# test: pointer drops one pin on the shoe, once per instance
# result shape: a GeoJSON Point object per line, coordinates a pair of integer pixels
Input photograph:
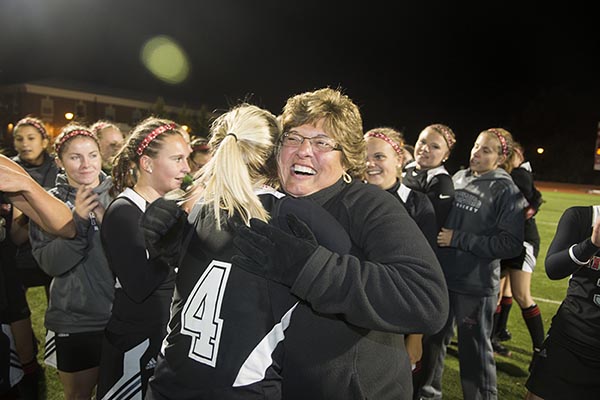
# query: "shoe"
{"type": "Point", "coordinates": [500, 349]}
{"type": "Point", "coordinates": [503, 335]}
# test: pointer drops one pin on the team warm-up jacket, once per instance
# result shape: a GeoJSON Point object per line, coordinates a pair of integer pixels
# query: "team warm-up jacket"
{"type": "Point", "coordinates": [436, 183]}
{"type": "Point", "coordinates": [227, 326]}
{"type": "Point", "coordinates": [487, 218]}
{"type": "Point", "coordinates": [576, 324]}
{"type": "Point", "coordinates": [346, 338]}
{"type": "Point", "coordinates": [419, 207]}
{"type": "Point", "coordinates": [82, 287]}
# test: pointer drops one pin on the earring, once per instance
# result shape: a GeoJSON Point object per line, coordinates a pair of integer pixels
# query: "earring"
{"type": "Point", "coordinates": [347, 177]}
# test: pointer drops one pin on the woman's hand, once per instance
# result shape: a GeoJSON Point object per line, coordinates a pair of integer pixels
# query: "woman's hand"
{"type": "Point", "coordinates": [85, 201]}
{"type": "Point", "coordinates": [444, 238]}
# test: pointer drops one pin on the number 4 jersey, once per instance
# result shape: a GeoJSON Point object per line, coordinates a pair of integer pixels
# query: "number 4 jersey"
{"type": "Point", "coordinates": [226, 333]}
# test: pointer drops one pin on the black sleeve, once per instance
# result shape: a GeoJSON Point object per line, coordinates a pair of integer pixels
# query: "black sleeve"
{"type": "Point", "coordinates": [123, 242]}
{"type": "Point", "coordinates": [425, 218]}
{"type": "Point", "coordinates": [441, 194]}
{"type": "Point", "coordinates": [574, 229]}
{"type": "Point", "coordinates": [524, 181]}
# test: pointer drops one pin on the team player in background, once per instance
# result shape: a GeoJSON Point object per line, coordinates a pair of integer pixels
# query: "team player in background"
{"type": "Point", "coordinates": [32, 143]}
{"type": "Point", "coordinates": [518, 270]}
{"type": "Point", "coordinates": [484, 226]}
{"type": "Point", "coordinates": [427, 172]}
{"type": "Point", "coordinates": [111, 139]}
{"type": "Point", "coordinates": [151, 163]}
{"type": "Point", "coordinates": [232, 349]}
{"type": "Point", "coordinates": [385, 155]}
{"type": "Point", "coordinates": [23, 193]}
{"type": "Point", "coordinates": [568, 366]}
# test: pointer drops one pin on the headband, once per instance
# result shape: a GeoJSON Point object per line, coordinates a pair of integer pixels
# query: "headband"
{"type": "Point", "coordinates": [502, 140]}
{"type": "Point", "coordinates": [385, 138]}
{"type": "Point", "coordinates": [446, 133]}
{"type": "Point", "coordinates": [35, 124]}
{"type": "Point", "coordinates": [152, 135]}
{"type": "Point", "coordinates": [100, 126]}
{"type": "Point", "coordinates": [201, 147]}
{"type": "Point", "coordinates": [73, 133]}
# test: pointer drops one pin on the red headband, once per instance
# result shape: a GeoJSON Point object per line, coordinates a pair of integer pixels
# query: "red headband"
{"type": "Point", "coordinates": [502, 140]}
{"type": "Point", "coordinates": [385, 138]}
{"type": "Point", "coordinates": [35, 124]}
{"type": "Point", "coordinates": [99, 127]}
{"type": "Point", "coordinates": [152, 135]}
{"type": "Point", "coordinates": [445, 133]}
{"type": "Point", "coordinates": [73, 133]}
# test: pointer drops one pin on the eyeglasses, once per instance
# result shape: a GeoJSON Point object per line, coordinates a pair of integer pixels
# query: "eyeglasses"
{"type": "Point", "coordinates": [322, 144]}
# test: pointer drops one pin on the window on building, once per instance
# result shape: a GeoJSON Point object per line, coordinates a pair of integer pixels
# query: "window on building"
{"type": "Point", "coordinates": [110, 113]}
{"type": "Point", "coordinates": [80, 109]}
{"type": "Point", "coordinates": [47, 109]}
{"type": "Point", "coordinates": [136, 116]}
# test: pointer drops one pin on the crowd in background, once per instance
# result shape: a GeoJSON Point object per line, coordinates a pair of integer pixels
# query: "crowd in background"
{"type": "Point", "coordinates": [296, 256]}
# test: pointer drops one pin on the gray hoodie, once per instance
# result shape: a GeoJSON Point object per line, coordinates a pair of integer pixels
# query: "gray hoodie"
{"type": "Point", "coordinates": [487, 218]}
{"type": "Point", "coordinates": [82, 288]}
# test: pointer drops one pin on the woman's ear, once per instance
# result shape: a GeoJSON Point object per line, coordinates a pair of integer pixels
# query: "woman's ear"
{"type": "Point", "coordinates": [59, 163]}
{"type": "Point", "coordinates": [501, 160]}
{"type": "Point", "coordinates": [146, 163]}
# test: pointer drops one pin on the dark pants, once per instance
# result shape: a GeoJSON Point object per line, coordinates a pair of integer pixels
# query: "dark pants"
{"type": "Point", "coordinates": [473, 318]}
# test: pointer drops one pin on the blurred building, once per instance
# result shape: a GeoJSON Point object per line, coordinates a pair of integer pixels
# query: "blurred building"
{"type": "Point", "coordinates": [59, 102]}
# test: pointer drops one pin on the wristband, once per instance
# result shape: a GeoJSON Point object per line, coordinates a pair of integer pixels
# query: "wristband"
{"type": "Point", "coordinates": [574, 259]}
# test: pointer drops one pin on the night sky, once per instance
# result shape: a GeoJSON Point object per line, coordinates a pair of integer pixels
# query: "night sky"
{"type": "Point", "coordinates": [532, 70]}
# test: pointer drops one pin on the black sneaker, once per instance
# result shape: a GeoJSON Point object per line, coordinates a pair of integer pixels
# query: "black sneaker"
{"type": "Point", "coordinates": [500, 349]}
{"type": "Point", "coordinates": [503, 335]}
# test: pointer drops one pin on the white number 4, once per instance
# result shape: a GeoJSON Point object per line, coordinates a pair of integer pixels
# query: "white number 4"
{"type": "Point", "coordinates": [200, 316]}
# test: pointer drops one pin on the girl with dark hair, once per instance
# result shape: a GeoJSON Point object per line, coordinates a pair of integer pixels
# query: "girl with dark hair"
{"type": "Point", "coordinates": [152, 162]}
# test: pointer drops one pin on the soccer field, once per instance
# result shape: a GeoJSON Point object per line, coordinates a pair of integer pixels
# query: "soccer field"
{"type": "Point", "coordinates": [512, 371]}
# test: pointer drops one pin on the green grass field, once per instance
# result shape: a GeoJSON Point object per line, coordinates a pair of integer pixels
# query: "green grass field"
{"type": "Point", "coordinates": [512, 371]}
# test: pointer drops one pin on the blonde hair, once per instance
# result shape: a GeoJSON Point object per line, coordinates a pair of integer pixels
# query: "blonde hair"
{"type": "Point", "coordinates": [242, 140]}
{"type": "Point", "coordinates": [393, 136]}
{"type": "Point", "coordinates": [341, 119]}
{"type": "Point", "coordinates": [506, 146]}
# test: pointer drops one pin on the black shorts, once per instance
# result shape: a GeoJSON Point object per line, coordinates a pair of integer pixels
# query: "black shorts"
{"type": "Point", "coordinates": [15, 303]}
{"type": "Point", "coordinates": [525, 261]}
{"type": "Point", "coordinates": [73, 352]}
{"type": "Point", "coordinates": [558, 373]}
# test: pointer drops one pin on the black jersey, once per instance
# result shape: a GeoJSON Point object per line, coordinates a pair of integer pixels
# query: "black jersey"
{"type": "Point", "coordinates": [577, 322]}
{"type": "Point", "coordinates": [224, 335]}
{"type": "Point", "coordinates": [436, 183]}
{"type": "Point", "coordinates": [523, 178]}
{"type": "Point", "coordinates": [419, 207]}
{"type": "Point", "coordinates": [144, 287]}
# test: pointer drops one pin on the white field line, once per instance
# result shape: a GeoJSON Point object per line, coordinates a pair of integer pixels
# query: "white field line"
{"type": "Point", "coordinates": [546, 300]}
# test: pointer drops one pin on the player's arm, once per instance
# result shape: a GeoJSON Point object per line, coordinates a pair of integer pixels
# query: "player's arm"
{"type": "Point", "coordinates": [32, 199]}
{"type": "Point", "coordinates": [571, 249]}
